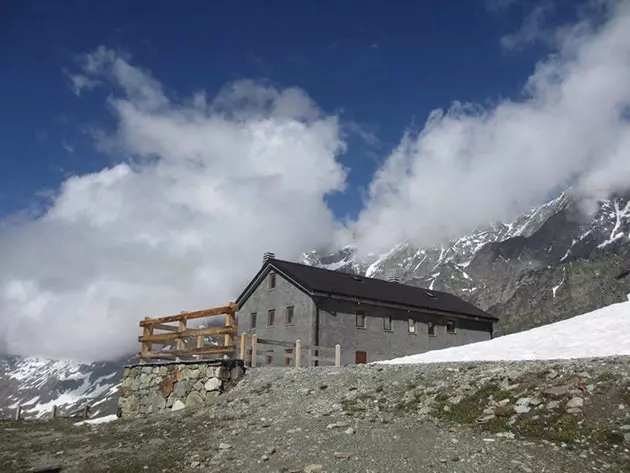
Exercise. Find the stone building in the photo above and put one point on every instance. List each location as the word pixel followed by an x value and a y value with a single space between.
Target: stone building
pixel 372 319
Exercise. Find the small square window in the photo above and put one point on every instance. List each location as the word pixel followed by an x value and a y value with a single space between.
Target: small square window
pixel 271 317
pixel 252 320
pixel 432 330
pixel 272 280
pixel 288 316
pixel 269 357
pixel 288 356
pixel 412 326
pixel 361 320
pixel 450 326
pixel 387 323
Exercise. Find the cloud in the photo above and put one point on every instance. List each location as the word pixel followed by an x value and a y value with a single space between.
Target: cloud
pixel 471 164
pixel 206 187
pixel 533 29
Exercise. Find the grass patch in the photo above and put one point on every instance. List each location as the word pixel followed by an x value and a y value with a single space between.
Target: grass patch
pixel 470 407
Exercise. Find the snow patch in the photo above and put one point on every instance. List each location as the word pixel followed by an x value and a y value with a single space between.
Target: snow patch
pixel 98 420
pixel 600 333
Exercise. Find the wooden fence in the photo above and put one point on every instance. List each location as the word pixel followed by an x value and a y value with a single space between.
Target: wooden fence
pixel 55 413
pixel 182 335
pixel 298 352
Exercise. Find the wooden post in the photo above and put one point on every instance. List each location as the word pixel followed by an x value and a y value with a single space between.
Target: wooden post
pixel 254 345
pixel 86 412
pixel 18 413
pixel 54 411
pixel 145 347
pixel 337 355
pixel 180 342
pixel 298 353
pixel 229 322
pixel 243 346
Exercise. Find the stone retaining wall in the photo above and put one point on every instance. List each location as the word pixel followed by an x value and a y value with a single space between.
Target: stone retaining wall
pixel 170 386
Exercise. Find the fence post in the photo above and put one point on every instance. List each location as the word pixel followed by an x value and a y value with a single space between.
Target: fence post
pixel 86 412
pixel 18 413
pixel 243 346
pixel 337 355
pixel 180 328
pixel 145 347
pixel 54 411
pixel 298 353
pixel 254 346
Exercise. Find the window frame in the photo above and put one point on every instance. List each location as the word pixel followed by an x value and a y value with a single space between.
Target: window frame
pixel 451 323
pixel 272 281
pixel 269 357
pixel 412 327
pixel 290 308
pixel 360 313
pixel 253 320
pixel 289 360
pixel 388 320
pixel 432 329
pixel 271 317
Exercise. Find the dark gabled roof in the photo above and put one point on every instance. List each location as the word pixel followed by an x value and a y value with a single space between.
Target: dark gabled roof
pixel 324 281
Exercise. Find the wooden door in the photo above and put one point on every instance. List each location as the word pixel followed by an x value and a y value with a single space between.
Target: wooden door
pixel 361 357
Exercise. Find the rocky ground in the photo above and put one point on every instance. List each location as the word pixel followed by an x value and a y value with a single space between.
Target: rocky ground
pixel 555 417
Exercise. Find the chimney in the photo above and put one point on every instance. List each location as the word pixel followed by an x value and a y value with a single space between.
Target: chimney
pixel 394 278
pixel 267 256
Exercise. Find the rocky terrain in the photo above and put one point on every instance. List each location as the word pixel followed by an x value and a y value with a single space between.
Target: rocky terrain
pixel 560 417
pixel 551 263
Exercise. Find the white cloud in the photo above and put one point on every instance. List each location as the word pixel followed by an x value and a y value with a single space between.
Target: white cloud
pixel 182 225
pixel 471 165
pixel 208 185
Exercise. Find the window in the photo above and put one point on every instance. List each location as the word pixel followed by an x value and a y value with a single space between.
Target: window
pixel 361 321
pixel 272 280
pixel 360 357
pixel 269 357
pixel 431 326
pixel 450 326
pixel 288 316
pixel 387 323
pixel 288 356
pixel 252 320
pixel 271 316
pixel 412 326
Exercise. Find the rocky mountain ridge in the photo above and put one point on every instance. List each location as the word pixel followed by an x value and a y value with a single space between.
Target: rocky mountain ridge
pixel 552 262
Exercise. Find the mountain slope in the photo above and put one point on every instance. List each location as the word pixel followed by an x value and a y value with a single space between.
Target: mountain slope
pixel 549 264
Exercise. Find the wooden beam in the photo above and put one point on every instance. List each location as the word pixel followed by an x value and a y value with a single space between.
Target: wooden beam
pixel 243 346
pixel 228 309
pixel 298 353
pixel 198 332
pixel 191 352
pixel 229 322
pixel 278 343
pixel 168 328
pixel 254 349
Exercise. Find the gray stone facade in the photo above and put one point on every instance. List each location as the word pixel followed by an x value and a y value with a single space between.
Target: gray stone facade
pixel 329 322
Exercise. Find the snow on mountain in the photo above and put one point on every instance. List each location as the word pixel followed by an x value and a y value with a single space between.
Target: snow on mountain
pixel 601 333
pixel 509 268
pixel 37 384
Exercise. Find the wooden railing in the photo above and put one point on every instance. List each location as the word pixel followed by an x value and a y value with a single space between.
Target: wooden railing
pixel 299 352
pixel 182 335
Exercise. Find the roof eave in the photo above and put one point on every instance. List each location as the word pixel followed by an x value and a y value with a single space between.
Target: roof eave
pixel 330 295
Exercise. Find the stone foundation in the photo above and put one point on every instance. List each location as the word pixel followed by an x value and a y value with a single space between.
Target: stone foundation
pixel 170 386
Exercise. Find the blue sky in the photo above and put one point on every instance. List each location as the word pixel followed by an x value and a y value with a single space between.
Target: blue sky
pixel 383 66
pixel 127 192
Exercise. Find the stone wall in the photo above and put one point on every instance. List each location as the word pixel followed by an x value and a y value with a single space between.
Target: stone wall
pixel 170 386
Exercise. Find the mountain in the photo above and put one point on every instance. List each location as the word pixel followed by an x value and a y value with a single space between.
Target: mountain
pixel 551 263
pixel 37 384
